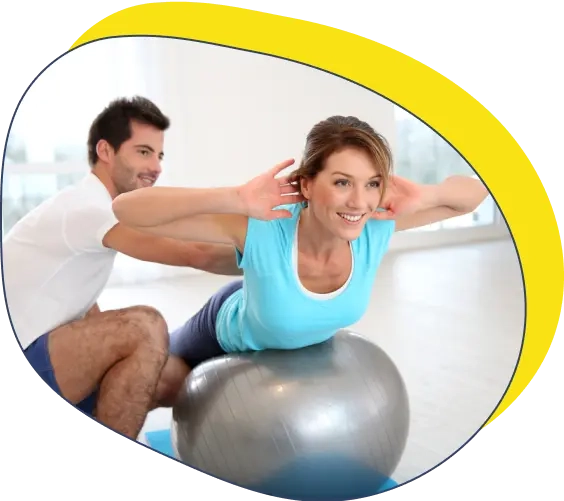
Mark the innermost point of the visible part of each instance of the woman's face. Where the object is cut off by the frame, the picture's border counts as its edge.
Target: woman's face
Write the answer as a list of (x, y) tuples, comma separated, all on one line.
[(344, 194)]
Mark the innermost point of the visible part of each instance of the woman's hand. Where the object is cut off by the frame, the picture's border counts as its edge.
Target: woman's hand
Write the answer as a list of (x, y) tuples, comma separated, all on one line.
[(457, 194), (404, 197), (262, 194)]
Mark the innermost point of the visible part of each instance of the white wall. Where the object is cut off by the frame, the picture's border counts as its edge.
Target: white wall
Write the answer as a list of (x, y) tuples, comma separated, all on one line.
[(235, 114)]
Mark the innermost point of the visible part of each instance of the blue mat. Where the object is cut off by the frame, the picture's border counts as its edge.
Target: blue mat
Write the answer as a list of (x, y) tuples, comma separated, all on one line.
[(161, 441)]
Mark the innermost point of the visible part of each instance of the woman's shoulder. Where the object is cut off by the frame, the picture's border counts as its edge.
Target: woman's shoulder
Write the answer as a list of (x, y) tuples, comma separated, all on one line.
[(379, 229), (276, 228), (294, 209), (284, 222)]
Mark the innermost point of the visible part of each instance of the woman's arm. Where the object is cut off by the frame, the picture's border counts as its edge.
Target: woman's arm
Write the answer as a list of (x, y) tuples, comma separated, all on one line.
[(160, 205), (180, 213), (206, 215), (413, 205)]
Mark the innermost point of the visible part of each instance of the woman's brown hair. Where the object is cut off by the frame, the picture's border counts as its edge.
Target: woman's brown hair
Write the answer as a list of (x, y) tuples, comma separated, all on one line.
[(336, 133)]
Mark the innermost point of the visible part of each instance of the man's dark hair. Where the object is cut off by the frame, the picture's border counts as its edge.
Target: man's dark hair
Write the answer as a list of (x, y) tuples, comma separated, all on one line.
[(113, 124)]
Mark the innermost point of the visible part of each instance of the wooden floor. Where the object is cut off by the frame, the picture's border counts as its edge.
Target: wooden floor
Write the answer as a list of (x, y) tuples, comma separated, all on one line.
[(451, 319)]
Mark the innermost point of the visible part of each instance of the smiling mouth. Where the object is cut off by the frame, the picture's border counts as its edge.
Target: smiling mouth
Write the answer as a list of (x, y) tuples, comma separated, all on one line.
[(350, 218), (148, 180)]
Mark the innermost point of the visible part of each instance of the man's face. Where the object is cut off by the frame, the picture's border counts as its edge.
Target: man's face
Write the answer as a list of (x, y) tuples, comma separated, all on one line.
[(137, 163)]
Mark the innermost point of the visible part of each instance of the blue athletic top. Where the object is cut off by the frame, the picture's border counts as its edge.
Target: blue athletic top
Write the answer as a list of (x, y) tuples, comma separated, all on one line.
[(273, 310)]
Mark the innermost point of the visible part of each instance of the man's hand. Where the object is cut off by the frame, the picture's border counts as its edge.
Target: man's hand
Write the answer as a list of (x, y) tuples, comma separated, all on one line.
[(219, 259)]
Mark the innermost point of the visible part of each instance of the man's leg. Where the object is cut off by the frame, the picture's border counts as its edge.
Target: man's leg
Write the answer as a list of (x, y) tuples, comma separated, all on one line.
[(172, 378), (191, 344), (119, 354)]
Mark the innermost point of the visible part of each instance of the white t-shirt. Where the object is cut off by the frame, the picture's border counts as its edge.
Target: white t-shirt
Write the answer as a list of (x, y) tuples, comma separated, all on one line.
[(55, 265)]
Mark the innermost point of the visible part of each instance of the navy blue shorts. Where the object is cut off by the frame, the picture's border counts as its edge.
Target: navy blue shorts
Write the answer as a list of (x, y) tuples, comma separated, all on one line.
[(196, 340), (37, 354)]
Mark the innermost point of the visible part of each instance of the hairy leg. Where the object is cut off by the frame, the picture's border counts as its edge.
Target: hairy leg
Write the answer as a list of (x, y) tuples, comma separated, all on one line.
[(172, 378), (120, 353)]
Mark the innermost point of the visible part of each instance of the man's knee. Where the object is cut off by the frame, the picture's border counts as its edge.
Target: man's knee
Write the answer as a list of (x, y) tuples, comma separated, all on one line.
[(148, 314), (149, 326)]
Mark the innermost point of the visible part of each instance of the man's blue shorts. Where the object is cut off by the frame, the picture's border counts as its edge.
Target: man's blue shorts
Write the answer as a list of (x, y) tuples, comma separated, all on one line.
[(37, 354), (195, 341)]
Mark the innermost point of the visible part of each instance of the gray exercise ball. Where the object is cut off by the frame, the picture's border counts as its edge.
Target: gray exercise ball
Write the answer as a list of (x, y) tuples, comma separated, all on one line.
[(325, 422)]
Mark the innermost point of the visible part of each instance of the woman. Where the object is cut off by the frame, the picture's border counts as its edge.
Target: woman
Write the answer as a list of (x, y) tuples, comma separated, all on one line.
[(310, 243)]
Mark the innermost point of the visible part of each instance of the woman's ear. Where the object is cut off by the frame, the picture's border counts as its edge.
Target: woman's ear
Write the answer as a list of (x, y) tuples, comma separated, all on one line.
[(305, 187)]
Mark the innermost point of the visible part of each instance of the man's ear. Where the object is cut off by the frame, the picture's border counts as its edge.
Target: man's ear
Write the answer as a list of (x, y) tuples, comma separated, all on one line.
[(104, 151)]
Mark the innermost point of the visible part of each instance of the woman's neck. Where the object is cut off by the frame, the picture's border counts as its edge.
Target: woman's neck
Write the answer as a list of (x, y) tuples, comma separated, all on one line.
[(314, 240)]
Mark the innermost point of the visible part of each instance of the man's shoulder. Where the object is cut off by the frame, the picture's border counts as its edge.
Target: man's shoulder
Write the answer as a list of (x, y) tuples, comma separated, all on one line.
[(84, 199), (80, 208), (84, 192), (89, 190)]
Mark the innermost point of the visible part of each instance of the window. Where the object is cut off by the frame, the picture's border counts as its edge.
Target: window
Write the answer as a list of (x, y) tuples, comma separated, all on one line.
[(425, 157), (22, 192), (46, 148)]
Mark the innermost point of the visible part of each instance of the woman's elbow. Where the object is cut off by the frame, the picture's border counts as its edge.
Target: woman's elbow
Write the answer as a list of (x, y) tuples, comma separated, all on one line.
[(481, 195), (122, 210), (475, 194)]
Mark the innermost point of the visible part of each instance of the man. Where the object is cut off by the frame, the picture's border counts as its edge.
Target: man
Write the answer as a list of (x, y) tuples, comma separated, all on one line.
[(57, 260)]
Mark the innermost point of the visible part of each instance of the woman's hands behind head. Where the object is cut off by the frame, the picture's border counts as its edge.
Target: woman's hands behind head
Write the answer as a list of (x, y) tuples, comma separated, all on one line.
[(262, 194)]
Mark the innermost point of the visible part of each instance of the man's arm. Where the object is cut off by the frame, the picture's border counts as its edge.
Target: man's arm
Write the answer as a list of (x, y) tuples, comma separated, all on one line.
[(219, 259)]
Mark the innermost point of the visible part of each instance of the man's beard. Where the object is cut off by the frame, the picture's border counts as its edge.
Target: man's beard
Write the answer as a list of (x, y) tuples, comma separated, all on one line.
[(124, 178)]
